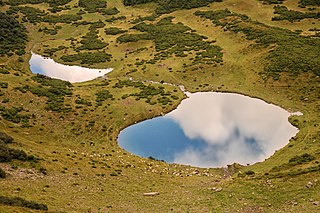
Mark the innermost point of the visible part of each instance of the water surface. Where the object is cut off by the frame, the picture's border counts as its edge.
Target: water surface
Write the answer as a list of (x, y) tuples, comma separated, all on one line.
[(48, 67), (210, 130)]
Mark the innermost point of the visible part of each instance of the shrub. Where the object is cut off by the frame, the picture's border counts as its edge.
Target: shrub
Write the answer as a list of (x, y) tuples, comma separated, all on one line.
[(18, 201), (301, 159), (2, 174), (109, 11), (114, 31), (13, 35), (174, 39), (92, 5)]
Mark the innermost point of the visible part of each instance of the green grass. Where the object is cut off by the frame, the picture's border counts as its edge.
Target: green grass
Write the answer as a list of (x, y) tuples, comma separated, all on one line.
[(88, 171)]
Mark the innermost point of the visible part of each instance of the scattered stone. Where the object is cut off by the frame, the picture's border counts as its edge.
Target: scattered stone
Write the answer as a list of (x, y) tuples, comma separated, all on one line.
[(309, 184), (219, 189), (151, 193), (316, 203)]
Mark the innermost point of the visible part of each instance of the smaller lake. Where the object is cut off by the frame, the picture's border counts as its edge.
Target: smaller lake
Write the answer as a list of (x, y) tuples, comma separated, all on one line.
[(48, 67), (212, 130)]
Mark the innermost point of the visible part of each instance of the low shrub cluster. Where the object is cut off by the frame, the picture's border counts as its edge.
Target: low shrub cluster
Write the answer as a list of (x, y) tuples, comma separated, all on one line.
[(15, 115), (2, 174), (88, 57), (114, 31), (301, 159), (292, 15), (147, 92), (272, 1), (102, 96), (293, 53), (54, 89), (109, 11), (18, 201), (175, 39), (92, 5), (91, 40), (50, 31), (13, 35), (52, 3), (305, 3), (168, 6), (114, 18), (35, 15), (51, 51), (7, 154)]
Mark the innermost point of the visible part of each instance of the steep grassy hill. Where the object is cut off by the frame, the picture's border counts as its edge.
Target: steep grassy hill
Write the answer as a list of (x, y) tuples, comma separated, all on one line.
[(58, 141)]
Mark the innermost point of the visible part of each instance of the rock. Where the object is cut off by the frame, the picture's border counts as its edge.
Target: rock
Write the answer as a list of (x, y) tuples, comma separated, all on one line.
[(151, 193), (218, 189), (309, 184), (316, 203)]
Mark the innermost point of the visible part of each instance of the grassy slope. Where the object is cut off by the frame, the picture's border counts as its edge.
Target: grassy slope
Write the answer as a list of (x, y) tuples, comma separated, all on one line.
[(74, 185)]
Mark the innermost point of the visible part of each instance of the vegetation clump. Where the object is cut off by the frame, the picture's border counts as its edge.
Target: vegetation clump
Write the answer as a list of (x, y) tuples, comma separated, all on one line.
[(292, 15), (146, 92), (18, 201), (272, 1), (91, 40), (109, 11), (168, 6), (15, 115), (88, 57), (54, 89), (293, 53), (175, 39), (114, 31), (102, 96), (2, 174), (301, 159), (7, 154), (13, 35), (305, 3), (92, 5)]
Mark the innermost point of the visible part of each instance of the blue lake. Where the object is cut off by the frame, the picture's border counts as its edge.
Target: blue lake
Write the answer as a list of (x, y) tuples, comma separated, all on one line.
[(48, 67), (211, 130)]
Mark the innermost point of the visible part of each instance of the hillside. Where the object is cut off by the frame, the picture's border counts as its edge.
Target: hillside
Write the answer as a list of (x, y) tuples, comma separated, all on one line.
[(58, 141)]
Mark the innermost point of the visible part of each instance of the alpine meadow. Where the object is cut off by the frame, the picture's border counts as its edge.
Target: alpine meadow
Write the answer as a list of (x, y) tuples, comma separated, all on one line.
[(59, 139)]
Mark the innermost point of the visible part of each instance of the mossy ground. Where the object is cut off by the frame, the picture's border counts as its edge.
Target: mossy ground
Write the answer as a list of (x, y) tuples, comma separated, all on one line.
[(87, 171)]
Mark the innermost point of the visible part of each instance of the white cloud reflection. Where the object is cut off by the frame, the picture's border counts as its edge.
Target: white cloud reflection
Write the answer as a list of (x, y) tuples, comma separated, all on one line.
[(49, 67), (234, 127)]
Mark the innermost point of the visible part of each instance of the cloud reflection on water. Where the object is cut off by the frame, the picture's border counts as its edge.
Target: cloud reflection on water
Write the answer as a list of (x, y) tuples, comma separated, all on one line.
[(49, 67), (234, 127)]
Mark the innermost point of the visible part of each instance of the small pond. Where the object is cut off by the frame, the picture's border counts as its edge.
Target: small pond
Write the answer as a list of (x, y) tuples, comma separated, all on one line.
[(211, 130), (48, 67)]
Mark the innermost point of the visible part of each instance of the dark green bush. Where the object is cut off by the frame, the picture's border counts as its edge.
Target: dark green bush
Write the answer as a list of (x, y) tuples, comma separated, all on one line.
[(54, 89), (3, 85), (292, 15), (301, 159), (92, 5), (13, 36), (102, 96), (2, 174), (167, 6), (5, 138), (109, 11), (293, 53), (272, 1), (175, 39), (14, 114), (304, 3), (114, 31), (91, 40), (18, 201)]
